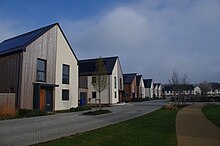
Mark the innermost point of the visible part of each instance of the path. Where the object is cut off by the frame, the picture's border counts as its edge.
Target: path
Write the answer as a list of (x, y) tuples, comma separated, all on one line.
[(28, 131), (194, 129)]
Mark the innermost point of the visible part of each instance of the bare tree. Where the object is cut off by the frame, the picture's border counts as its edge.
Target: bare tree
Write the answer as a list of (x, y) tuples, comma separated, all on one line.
[(184, 84), (175, 82), (101, 78), (205, 87)]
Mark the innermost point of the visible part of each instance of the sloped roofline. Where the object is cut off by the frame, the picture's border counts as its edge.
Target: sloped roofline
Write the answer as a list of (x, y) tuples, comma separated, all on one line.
[(22, 48), (67, 41), (137, 79), (131, 74), (146, 81), (94, 60)]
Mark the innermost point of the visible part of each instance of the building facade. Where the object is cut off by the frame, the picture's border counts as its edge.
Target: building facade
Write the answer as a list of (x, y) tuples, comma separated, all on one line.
[(41, 68)]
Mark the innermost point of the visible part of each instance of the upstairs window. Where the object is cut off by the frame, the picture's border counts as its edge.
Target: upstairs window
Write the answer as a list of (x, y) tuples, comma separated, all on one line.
[(115, 81), (41, 70), (66, 70), (120, 83), (93, 80)]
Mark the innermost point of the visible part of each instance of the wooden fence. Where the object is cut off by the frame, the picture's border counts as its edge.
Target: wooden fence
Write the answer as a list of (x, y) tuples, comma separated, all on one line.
[(7, 104)]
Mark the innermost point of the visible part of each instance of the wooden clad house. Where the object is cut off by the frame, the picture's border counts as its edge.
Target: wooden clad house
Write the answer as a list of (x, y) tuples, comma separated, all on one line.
[(149, 88), (114, 92), (140, 86), (41, 68), (130, 86)]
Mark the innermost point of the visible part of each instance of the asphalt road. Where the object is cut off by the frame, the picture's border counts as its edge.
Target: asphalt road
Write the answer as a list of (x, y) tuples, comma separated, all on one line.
[(27, 131)]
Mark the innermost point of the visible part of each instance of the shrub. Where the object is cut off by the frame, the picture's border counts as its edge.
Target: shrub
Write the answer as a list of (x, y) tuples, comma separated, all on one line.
[(98, 112), (24, 112), (137, 99), (80, 108), (146, 98), (170, 106), (30, 113)]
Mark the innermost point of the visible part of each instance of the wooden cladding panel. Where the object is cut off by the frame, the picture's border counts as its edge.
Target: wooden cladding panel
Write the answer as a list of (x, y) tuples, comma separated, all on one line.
[(7, 104), (44, 48), (9, 73)]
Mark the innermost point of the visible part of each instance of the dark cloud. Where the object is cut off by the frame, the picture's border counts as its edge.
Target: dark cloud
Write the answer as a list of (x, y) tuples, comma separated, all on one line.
[(151, 37), (155, 37)]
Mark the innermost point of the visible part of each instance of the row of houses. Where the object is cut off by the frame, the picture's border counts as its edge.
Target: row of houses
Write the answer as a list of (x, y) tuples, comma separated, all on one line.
[(42, 70), (213, 89)]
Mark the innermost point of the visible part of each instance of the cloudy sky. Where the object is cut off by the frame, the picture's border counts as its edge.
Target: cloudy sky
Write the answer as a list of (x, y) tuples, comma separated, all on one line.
[(151, 37)]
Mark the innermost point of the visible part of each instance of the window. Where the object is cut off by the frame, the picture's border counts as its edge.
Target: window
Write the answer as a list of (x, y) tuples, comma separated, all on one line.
[(12, 90), (120, 84), (93, 94), (115, 83), (93, 80), (65, 94), (115, 94), (41, 70), (133, 95), (66, 71)]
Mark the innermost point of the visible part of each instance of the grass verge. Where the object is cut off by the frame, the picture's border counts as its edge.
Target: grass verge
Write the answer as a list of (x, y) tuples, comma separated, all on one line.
[(212, 112), (156, 128)]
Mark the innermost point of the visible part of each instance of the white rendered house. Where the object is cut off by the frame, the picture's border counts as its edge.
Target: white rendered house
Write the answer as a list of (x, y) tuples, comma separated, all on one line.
[(149, 88), (140, 86), (197, 91), (113, 93)]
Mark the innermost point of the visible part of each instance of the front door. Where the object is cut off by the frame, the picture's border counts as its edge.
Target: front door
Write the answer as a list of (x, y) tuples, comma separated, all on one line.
[(42, 99), (83, 98), (49, 100), (120, 96), (46, 99)]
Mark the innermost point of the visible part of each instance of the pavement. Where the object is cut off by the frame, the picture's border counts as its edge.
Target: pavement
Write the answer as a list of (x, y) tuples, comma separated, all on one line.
[(27, 131), (194, 129)]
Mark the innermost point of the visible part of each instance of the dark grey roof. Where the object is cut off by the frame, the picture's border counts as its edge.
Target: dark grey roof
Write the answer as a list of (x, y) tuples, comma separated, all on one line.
[(214, 85), (88, 67), (169, 87), (157, 84), (128, 78), (188, 87), (19, 43), (147, 83), (138, 79)]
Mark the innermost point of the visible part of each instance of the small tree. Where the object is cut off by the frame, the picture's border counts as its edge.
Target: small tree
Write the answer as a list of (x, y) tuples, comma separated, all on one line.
[(101, 77)]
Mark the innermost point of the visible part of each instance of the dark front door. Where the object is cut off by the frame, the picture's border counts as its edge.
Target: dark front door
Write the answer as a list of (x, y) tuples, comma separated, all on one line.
[(83, 98), (133, 95), (49, 100)]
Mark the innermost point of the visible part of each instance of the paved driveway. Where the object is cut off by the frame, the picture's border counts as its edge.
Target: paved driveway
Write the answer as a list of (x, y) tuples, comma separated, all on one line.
[(28, 131)]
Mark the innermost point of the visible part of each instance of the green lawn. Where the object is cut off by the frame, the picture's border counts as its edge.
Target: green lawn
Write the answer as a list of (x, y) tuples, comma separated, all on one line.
[(212, 112), (157, 128)]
